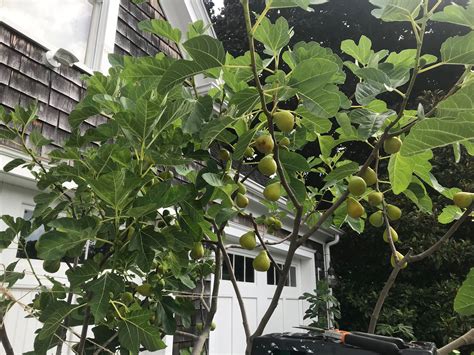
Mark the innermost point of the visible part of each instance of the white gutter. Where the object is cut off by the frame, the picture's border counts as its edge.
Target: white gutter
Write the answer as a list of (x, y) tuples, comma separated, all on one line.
[(327, 265)]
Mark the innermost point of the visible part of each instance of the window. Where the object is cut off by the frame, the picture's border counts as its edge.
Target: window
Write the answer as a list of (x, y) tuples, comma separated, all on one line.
[(273, 277), (242, 266), (70, 24)]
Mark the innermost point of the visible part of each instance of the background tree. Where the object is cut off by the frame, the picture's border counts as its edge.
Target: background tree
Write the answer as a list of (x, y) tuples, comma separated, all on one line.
[(405, 315)]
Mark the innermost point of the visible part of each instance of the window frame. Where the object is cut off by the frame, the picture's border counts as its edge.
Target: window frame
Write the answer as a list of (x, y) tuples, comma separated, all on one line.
[(244, 269)]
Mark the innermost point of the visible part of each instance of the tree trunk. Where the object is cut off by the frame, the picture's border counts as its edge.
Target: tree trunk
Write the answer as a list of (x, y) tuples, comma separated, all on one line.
[(4, 337)]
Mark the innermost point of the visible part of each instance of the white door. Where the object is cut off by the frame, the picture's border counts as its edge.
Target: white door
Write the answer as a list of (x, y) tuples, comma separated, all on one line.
[(257, 289)]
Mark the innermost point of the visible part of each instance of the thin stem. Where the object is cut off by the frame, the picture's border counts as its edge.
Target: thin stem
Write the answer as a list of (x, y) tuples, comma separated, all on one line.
[(85, 325), (436, 65), (4, 337), (263, 244), (384, 293), (466, 339)]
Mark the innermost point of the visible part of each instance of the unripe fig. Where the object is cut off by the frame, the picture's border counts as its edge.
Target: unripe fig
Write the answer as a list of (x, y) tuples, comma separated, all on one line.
[(242, 189), (267, 165), (284, 120), (462, 199), (376, 219), (197, 252), (393, 234), (166, 175), (264, 144), (357, 185), (272, 191), (284, 142), (277, 224), (249, 152), (98, 258), (127, 297), (241, 200), (369, 176), (375, 198), (248, 241), (392, 145), (224, 154), (400, 256), (144, 289), (51, 266), (199, 327), (354, 208), (213, 326), (261, 262), (393, 212)]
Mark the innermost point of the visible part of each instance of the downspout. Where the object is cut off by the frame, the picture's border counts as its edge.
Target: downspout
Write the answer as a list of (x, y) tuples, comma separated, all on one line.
[(327, 265)]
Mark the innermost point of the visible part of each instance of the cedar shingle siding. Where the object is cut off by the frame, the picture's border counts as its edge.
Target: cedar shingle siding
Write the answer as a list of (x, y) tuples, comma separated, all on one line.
[(130, 40), (24, 78)]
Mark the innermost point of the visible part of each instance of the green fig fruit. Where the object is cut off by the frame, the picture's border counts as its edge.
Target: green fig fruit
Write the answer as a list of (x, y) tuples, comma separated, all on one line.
[(248, 241), (197, 252), (261, 262), (376, 219), (264, 144), (284, 120), (354, 208), (369, 176), (241, 200), (127, 297), (400, 256), (213, 326), (199, 327), (267, 165), (392, 145), (284, 142), (393, 234), (166, 175), (224, 154), (144, 289), (462, 199), (242, 189), (272, 191), (375, 198), (357, 185), (249, 152), (98, 258), (393, 212), (51, 266), (277, 224)]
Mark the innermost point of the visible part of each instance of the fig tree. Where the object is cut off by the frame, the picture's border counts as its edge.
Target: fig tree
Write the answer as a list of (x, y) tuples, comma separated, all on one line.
[(248, 241), (144, 289), (241, 200), (264, 144), (357, 185), (261, 262), (284, 120), (392, 145), (272, 191), (393, 212), (242, 189), (197, 252), (369, 176), (375, 198), (376, 219), (224, 154), (393, 234), (462, 199), (354, 208), (284, 142), (267, 165), (400, 256), (51, 266)]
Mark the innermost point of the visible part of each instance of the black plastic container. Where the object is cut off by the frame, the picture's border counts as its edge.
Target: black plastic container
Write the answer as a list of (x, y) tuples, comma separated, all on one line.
[(355, 344)]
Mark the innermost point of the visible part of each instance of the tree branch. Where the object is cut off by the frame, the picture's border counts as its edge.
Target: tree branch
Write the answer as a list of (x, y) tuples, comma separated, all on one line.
[(264, 246), (186, 334), (466, 339), (384, 293), (201, 339), (4, 338), (85, 325), (443, 239)]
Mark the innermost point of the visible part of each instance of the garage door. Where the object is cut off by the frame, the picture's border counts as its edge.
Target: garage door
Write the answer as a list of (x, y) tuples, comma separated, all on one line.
[(257, 289)]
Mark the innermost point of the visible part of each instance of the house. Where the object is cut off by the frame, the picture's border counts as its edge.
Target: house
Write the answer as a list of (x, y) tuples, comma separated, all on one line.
[(30, 32)]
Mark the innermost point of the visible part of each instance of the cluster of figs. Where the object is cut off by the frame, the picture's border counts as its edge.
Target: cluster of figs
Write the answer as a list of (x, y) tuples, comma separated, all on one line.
[(357, 187)]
